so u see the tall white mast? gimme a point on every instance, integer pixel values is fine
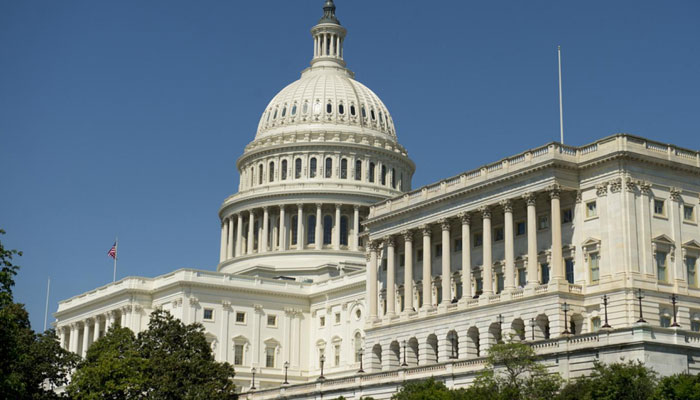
(46, 310)
(561, 108)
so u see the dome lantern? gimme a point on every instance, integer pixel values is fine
(328, 36)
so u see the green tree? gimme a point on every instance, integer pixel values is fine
(678, 387)
(429, 389)
(7, 273)
(617, 381)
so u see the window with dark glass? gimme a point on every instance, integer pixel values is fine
(260, 174)
(294, 229)
(544, 270)
(271, 171)
(458, 245)
(327, 229)
(438, 250)
(312, 167)
(343, 231)
(341, 109)
(569, 267)
(294, 109)
(284, 111)
(358, 170)
(498, 234)
(371, 172)
(567, 215)
(478, 239)
(344, 169)
(208, 314)
(520, 228)
(283, 171)
(383, 175)
(329, 167)
(297, 168)
(419, 255)
(352, 110)
(364, 113)
(329, 108)
(393, 178)
(311, 229)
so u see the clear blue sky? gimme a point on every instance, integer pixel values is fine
(127, 117)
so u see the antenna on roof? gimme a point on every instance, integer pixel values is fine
(561, 108)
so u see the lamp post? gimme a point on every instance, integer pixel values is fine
(286, 367)
(362, 353)
(323, 360)
(499, 319)
(605, 306)
(566, 308)
(453, 354)
(404, 355)
(640, 296)
(532, 325)
(674, 300)
(252, 386)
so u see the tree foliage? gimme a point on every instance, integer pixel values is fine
(169, 360)
(429, 389)
(678, 387)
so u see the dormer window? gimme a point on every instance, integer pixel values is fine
(352, 110)
(341, 109)
(274, 116)
(371, 112)
(305, 108)
(364, 112)
(294, 109)
(284, 111)
(329, 108)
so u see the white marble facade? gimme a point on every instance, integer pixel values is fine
(325, 221)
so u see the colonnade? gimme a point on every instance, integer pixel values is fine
(465, 220)
(79, 335)
(282, 228)
(328, 44)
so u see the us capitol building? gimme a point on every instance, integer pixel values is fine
(337, 278)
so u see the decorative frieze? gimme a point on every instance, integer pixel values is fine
(616, 185)
(601, 189)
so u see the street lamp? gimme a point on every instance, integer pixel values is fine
(499, 319)
(323, 360)
(532, 325)
(674, 300)
(404, 355)
(286, 367)
(566, 308)
(605, 305)
(640, 296)
(252, 386)
(361, 353)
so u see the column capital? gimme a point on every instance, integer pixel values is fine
(265, 208)
(465, 218)
(319, 205)
(356, 207)
(645, 187)
(390, 241)
(426, 230)
(373, 245)
(676, 194)
(485, 212)
(601, 189)
(407, 235)
(530, 198)
(444, 224)
(554, 190)
(300, 206)
(507, 205)
(579, 196)
(338, 205)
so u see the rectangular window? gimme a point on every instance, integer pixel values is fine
(659, 207)
(208, 314)
(478, 240)
(591, 209)
(270, 357)
(238, 354)
(690, 263)
(688, 213)
(402, 260)
(419, 255)
(543, 222)
(498, 234)
(567, 215)
(520, 228)
(337, 318)
(569, 266)
(596, 324)
(458, 245)
(322, 321)
(240, 317)
(665, 322)
(522, 277)
(695, 326)
(438, 250)
(479, 286)
(272, 320)
(544, 270)
(594, 266)
(661, 266)
(499, 283)
(336, 355)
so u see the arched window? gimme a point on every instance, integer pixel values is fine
(311, 229)
(383, 175)
(343, 230)
(358, 346)
(272, 171)
(371, 172)
(305, 108)
(393, 178)
(358, 170)
(260, 174)
(297, 168)
(329, 108)
(274, 116)
(371, 112)
(341, 109)
(294, 229)
(252, 176)
(312, 168)
(284, 111)
(352, 110)
(283, 172)
(364, 113)
(329, 167)
(344, 169)
(294, 109)
(327, 229)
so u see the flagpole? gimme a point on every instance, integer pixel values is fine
(46, 310)
(561, 108)
(116, 253)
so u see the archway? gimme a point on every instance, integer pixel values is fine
(473, 342)
(412, 352)
(431, 356)
(453, 344)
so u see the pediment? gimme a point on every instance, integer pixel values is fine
(591, 241)
(663, 239)
(692, 244)
(240, 339)
(271, 342)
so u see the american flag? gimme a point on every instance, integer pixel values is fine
(113, 251)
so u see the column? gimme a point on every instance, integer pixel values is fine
(390, 276)
(319, 224)
(509, 283)
(265, 230)
(356, 228)
(86, 337)
(239, 235)
(372, 280)
(300, 226)
(336, 231)
(251, 232)
(224, 239)
(465, 218)
(446, 258)
(427, 278)
(408, 271)
(274, 221)
(557, 258)
(73, 339)
(283, 230)
(487, 269)
(532, 278)
(676, 264)
(229, 248)
(96, 330)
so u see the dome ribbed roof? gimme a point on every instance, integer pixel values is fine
(326, 98)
